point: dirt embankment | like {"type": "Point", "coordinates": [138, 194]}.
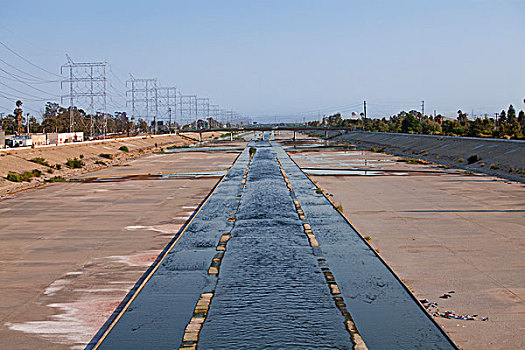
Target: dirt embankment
{"type": "Point", "coordinates": [503, 158]}
{"type": "Point", "coordinates": [94, 155]}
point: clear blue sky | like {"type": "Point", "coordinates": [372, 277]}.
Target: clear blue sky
{"type": "Point", "coordinates": [276, 57]}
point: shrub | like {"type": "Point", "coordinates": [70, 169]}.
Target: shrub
{"type": "Point", "coordinates": [126, 149]}
{"type": "Point", "coordinates": [437, 157]}
{"type": "Point", "coordinates": [373, 149]}
{"type": "Point", "coordinates": [99, 162]}
{"type": "Point", "coordinates": [50, 171]}
{"type": "Point", "coordinates": [473, 159]}
{"type": "Point", "coordinates": [482, 164]}
{"type": "Point", "coordinates": [27, 175]}
{"type": "Point", "coordinates": [15, 177]}
{"type": "Point", "coordinates": [106, 155]}
{"type": "Point", "coordinates": [412, 161]}
{"type": "Point", "coordinates": [81, 156]}
{"type": "Point", "coordinates": [56, 179]}
{"type": "Point", "coordinates": [340, 208]}
{"type": "Point", "coordinates": [511, 170]}
{"type": "Point", "coordinates": [367, 238]}
{"type": "Point", "coordinates": [74, 163]}
{"type": "Point", "coordinates": [36, 173]}
{"type": "Point", "coordinates": [58, 166]}
{"type": "Point", "coordinates": [494, 166]}
{"type": "Point", "coordinates": [319, 190]}
{"type": "Point", "coordinates": [461, 160]}
{"type": "Point", "coordinates": [39, 160]}
{"type": "Point", "coordinates": [252, 151]}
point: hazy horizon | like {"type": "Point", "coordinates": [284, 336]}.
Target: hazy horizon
{"type": "Point", "coordinates": [272, 59]}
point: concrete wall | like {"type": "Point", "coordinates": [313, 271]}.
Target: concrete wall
{"type": "Point", "coordinates": [449, 150]}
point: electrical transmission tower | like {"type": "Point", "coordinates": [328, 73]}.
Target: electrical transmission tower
{"type": "Point", "coordinates": [215, 112]}
{"type": "Point", "coordinates": [203, 108]}
{"type": "Point", "coordinates": [87, 88]}
{"type": "Point", "coordinates": [144, 100]}
{"type": "Point", "coordinates": [167, 102]}
{"type": "Point", "coordinates": [188, 109]}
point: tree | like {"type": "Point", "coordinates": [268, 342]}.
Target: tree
{"type": "Point", "coordinates": [430, 126]}
{"type": "Point", "coordinates": [521, 118]}
{"type": "Point", "coordinates": [18, 112]}
{"type": "Point", "coordinates": [410, 124]}
{"type": "Point", "coordinates": [511, 114]}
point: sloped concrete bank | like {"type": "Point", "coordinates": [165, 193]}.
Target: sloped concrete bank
{"type": "Point", "coordinates": [504, 158]}
{"type": "Point", "coordinates": [19, 160]}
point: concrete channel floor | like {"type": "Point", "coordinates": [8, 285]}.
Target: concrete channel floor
{"type": "Point", "coordinates": [272, 290]}
{"type": "Point", "coordinates": [441, 232]}
{"type": "Point", "coordinates": [71, 251]}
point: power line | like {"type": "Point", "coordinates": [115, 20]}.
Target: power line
{"type": "Point", "coordinates": [43, 81]}
{"type": "Point", "coordinates": [26, 60]}
{"type": "Point", "coordinates": [25, 93]}
{"type": "Point", "coordinates": [23, 82]}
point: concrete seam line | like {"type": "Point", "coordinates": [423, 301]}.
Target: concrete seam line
{"type": "Point", "coordinates": [335, 291]}
{"type": "Point", "coordinates": [148, 277]}
{"type": "Point", "coordinates": [190, 338]}
{"type": "Point", "coordinates": [382, 260]}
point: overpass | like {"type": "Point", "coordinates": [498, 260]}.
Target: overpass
{"type": "Point", "coordinates": [262, 128]}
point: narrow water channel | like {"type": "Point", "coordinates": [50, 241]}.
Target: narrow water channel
{"type": "Point", "coordinates": [266, 286]}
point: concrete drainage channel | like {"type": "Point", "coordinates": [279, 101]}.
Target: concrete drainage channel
{"type": "Point", "coordinates": [250, 272]}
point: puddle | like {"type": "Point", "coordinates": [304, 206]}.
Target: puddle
{"type": "Point", "coordinates": [352, 172]}
{"type": "Point", "coordinates": [204, 149]}
{"type": "Point", "coordinates": [189, 175]}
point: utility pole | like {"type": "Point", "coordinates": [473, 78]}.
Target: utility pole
{"type": "Point", "coordinates": [169, 122]}
{"type": "Point", "coordinates": [422, 110]}
{"type": "Point", "coordinates": [82, 75]}
{"type": "Point", "coordinates": [364, 108]}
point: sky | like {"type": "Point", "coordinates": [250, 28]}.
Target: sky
{"type": "Point", "coordinates": [276, 60]}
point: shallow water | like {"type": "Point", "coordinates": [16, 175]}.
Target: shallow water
{"type": "Point", "coordinates": [270, 292]}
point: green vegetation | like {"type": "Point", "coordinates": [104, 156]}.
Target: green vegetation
{"type": "Point", "coordinates": [26, 176]}
{"type": "Point", "coordinates": [319, 190]}
{"type": "Point", "coordinates": [508, 124]}
{"type": "Point", "coordinates": [367, 238]}
{"type": "Point", "coordinates": [50, 170]}
{"type": "Point", "coordinates": [252, 151]}
{"type": "Point", "coordinates": [473, 159]}
{"type": "Point", "coordinates": [81, 156]}
{"type": "Point", "coordinates": [125, 148]}
{"type": "Point", "coordinates": [412, 161]}
{"type": "Point", "coordinates": [106, 155]}
{"type": "Point", "coordinates": [56, 179]}
{"type": "Point", "coordinates": [178, 146]}
{"type": "Point", "coordinates": [494, 166]}
{"type": "Point", "coordinates": [15, 177]}
{"type": "Point", "coordinates": [58, 166]}
{"type": "Point", "coordinates": [39, 160]}
{"type": "Point", "coordinates": [99, 162]}
{"type": "Point", "coordinates": [340, 208]}
{"type": "Point", "coordinates": [461, 160]}
{"type": "Point", "coordinates": [74, 163]}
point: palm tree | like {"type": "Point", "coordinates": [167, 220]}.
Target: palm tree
{"type": "Point", "coordinates": [18, 115]}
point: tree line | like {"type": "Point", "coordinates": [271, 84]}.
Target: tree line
{"type": "Point", "coordinates": [508, 124]}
